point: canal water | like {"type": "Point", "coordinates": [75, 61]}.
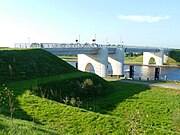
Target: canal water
{"type": "Point", "coordinates": [145, 72]}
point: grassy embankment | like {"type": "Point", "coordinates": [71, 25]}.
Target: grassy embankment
{"type": "Point", "coordinates": [174, 58]}
{"type": "Point", "coordinates": [99, 107]}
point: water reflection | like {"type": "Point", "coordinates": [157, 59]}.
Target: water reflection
{"type": "Point", "coordinates": [147, 72]}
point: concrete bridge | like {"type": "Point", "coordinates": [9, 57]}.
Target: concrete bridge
{"type": "Point", "coordinates": [99, 56]}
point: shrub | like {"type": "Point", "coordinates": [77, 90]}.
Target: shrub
{"type": "Point", "coordinates": [62, 90]}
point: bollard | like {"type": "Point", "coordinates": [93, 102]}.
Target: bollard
{"type": "Point", "coordinates": [156, 76]}
{"type": "Point", "coordinates": [76, 65]}
{"type": "Point", "coordinates": [131, 73]}
{"type": "Point", "coordinates": [125, 77]}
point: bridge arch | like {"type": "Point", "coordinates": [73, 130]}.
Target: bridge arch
{"type": "Point", "coordinates": [116, 61]}
{"type": "Point", "coordinates": [152, 60]}
{"type": "Point", "coordinates": [158, 56]}
{"type": "Point", "coordinates": [109, 69]}
{"type": "Point", "coordinates": [89, 68]}
{"type": "Point", "coordinates": [99, 61]}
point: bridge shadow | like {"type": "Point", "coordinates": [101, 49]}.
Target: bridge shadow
{"type": "Point", "coordinates": [118, 92]}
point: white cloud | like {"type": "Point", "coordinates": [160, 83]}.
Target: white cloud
{"type": "Point", "coordinates": [147, 19]}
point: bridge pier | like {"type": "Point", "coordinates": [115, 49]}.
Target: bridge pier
{"type": "Point", "coordinates": [99, 61]}
{"type": "Point", "coordinates": [158, 56]}
{"type": "Point", "coordinates": [117, 62]}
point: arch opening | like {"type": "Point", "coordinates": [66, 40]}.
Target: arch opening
{"type": "Point", "coordinates": [152, 61]}
{"type": "Point", "coordinates": [89, 68]}
{"type": "Point", "coordinates": [109, 69]}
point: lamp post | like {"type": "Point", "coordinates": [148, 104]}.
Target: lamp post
{"type": "Point", "coordinates": [94, 40]}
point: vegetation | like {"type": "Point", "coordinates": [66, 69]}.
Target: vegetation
{"type": "Point", "coordinates": [67, 101]}
{"type": "Point", "coordinates": [27, 64]}
{"type": "Point", "coordinates": [22, 127]}
{"type": "Point", "coordinates": [135, 59]}
{"type": "Point", "coordinates": [174, 57]}
{"type": "Point", "coordinates": [68, 57]}
{"type": "Point", "coordinates": [124, 109]}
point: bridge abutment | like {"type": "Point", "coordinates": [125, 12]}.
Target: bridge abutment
{"type": "Point", "coordinates": [99, 61]}
{"type": "Point", "coordinates": [117, 62]}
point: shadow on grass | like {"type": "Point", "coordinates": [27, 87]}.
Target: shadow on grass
{"type": "Point", "coordinates": [18, 89]}
{"type": "Point", "coordinates": [118, 93]}
{"type": "Point", "coordinates": [21, 128]}
{"type": "Point", "coordinates": [2, 127]}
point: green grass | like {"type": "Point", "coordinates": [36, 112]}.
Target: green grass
{"type": "Point", "coordinates": [30, 63]}
{"type": "Point", "coordinates": [106, 107]}
{"type": "Point", "coordinates": [124, 109]}
{"type": "Point", "coordinates": [152, 110]}
{"type": "Point", "coordinates": [174, 57]}
{"type": "Point", "coordinates": [68, 57]}
{"type": "Point", "coordinates": [23, 127]}
{"type": "Point", "coordinates": [138, 59]}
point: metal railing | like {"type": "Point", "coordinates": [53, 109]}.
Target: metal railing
{"type": "Point", "coordinates": [86, 45]}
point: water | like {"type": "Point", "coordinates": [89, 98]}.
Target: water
{"type": "Point", "coordinates": [147, 72]}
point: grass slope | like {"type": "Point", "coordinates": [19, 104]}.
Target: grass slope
{"type": "Point", "coordinates": [22, 127]}
{"type": "Point", "coordinates": [124, 109]}
{"type": "Point", "coordinates": [121, 108]}
{"type": "Point", "coordinates": [30, 63]}
{"type": "Point", "coordinates": [150, 110]}
{"type": "Point", "coordinates": [174, 57]}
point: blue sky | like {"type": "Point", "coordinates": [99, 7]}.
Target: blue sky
{"type": "Point", "coordinates": [135, 22]}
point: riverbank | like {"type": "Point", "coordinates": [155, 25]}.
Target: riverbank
{"type": "Point", "coordinates": [153, 65]}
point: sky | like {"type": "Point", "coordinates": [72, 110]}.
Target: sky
{"type": "Point", "coordinates": [129, 22]}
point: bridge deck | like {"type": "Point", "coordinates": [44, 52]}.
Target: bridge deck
{"type": "Point", "coordinates": [72, 49]}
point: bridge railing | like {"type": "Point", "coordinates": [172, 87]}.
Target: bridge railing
{"type": "Point", "coordinates": [67, 45]}
{"type": "Point", "coordinates": [87, 45]}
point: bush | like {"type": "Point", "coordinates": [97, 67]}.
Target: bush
{"type": "Point", "coordinates": [90, 86]}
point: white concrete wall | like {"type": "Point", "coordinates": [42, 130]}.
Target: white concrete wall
{"type": "Point", "coordinates": [99, 61]}
{"type": "Point", "coordinates": [117, 62]}
{"type": "Point", "coordinates": [165, 58]}
{"type": "Point", "coordinates": [159, 57]}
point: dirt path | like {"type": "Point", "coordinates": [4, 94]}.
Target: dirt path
{"type": "Point", "coordinates": [164, 85]}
